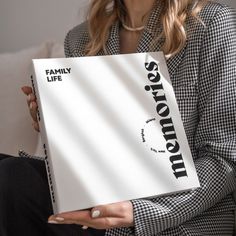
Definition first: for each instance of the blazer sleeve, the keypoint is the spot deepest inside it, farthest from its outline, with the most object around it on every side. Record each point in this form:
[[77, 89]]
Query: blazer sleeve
[[215, 138], [76, 40], [67, 43]]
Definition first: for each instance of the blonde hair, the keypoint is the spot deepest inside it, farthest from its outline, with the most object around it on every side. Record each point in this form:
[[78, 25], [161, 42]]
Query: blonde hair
[[104, 13]]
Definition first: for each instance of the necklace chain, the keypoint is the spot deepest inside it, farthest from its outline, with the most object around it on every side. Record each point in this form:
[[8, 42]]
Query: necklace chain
[[131, 28]]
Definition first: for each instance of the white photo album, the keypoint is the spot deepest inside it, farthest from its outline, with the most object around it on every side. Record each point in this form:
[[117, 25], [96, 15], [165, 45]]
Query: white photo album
[[111, 130]]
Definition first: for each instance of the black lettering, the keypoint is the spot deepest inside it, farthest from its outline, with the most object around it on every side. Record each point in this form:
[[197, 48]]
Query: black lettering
[[157, 87], [154, 78], [59, 71], [173, 148], [150, 66], [154, 87], [52, 72], [143, 136], [54, 78], [158, 98], [178, 166], [150, 120], [153, 150], [162, 109], [168, 129], [166, 123]]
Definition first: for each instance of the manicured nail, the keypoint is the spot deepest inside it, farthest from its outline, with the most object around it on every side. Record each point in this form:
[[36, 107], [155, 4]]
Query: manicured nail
[[60, 219], [96, 214], [85, 227], [52, 222], [28, 98]]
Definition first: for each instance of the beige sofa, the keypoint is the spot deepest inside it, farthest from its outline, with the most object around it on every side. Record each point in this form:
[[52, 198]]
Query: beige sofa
[[15, 122]]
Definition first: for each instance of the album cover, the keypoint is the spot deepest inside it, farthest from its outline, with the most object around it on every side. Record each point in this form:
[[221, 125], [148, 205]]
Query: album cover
[[111, 130]]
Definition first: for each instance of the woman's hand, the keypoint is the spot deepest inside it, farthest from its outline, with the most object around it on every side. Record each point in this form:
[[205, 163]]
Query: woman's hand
[[114, 215], [32, 104]]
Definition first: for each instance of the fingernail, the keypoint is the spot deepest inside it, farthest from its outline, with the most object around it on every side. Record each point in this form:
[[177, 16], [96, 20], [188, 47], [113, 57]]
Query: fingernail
[[52, 222], [96, 214], [60, 219], [29, 98], [85, 227], [31, 105]]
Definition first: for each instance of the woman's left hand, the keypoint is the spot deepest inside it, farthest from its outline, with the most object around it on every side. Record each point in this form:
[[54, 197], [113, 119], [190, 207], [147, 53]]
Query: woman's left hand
[[109, 216]]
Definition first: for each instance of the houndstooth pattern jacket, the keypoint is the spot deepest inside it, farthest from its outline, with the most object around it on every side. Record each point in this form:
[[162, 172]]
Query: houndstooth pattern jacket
[[204, 79]]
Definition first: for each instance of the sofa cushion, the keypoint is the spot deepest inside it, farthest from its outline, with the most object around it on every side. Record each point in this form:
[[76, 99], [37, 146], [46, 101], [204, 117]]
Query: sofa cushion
[[15, 126]]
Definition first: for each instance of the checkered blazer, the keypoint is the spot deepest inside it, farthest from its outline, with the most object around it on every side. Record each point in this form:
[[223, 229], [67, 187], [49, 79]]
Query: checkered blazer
[[204, 80]]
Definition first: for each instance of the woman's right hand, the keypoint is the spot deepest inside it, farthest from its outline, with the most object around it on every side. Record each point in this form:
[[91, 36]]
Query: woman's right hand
[[32, 104]]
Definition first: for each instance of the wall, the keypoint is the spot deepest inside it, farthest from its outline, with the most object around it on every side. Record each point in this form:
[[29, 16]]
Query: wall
[[26, 23], [229, 2]]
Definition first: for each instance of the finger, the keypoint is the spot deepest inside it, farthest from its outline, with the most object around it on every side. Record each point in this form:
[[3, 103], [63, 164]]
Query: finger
[[112, 210], [107, 223], [36, 126], [77, 217], [26, 90], [31, 98], [99, 223], [84, 218], [33, 111], [86, 221]]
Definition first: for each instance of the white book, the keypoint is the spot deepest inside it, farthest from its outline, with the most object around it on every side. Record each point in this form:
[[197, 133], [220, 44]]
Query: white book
[[111, 130]]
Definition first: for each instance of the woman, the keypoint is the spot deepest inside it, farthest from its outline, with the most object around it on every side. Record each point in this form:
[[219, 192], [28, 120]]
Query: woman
[[199, 41]]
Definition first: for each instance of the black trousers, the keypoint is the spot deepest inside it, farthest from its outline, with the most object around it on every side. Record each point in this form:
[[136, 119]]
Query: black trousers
[[25, 203]]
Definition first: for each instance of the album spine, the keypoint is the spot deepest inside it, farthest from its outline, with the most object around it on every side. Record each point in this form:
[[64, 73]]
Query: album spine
[[48, 163]]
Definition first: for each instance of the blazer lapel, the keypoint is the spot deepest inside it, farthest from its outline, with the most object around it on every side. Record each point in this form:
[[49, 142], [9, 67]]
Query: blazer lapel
[[112, 45], [152, 31], [174, 62]]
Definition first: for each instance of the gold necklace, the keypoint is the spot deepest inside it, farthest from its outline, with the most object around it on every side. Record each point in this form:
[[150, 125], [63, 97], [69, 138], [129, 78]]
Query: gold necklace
[[131, 28]]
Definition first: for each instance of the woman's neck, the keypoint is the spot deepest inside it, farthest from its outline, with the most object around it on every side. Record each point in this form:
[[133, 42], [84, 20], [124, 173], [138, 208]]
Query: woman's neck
[[137, 10]]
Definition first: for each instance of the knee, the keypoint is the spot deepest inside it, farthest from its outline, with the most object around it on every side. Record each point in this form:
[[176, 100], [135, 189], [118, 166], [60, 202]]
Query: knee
[[16, 175], [19, 181], [11, 169], [8, 166]]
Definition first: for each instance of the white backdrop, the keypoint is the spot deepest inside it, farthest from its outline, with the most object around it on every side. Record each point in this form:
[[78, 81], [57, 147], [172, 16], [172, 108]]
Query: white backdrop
[[26, 23]]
